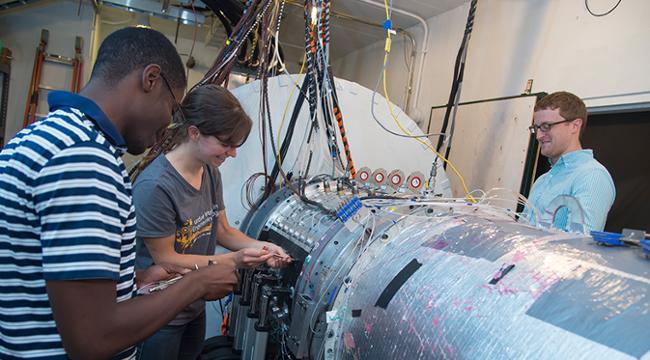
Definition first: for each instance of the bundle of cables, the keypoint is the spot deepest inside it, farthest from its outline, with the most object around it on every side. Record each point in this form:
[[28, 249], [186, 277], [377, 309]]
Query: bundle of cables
[[317, 88], [248, 28]]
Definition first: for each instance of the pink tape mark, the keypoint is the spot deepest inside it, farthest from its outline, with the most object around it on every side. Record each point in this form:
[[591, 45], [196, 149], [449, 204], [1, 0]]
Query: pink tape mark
[[435, 321], [368, 326], [348, 340], [518, 256]]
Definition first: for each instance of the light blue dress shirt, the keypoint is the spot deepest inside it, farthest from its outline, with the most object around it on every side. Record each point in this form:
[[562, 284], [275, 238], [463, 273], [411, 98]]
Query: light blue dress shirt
[[579, 175]]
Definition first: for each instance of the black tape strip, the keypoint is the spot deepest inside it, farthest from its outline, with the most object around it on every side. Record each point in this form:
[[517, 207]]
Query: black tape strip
[[502, 272], [397, 282], [356, 313]]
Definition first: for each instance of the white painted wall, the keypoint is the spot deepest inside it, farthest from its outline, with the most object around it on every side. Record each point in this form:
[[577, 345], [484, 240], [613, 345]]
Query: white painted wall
[[20, 31], [555, 42], [364, 66]]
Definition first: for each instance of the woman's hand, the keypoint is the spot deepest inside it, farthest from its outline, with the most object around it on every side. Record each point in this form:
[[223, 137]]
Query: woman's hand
[[250, 257], [280, 258]]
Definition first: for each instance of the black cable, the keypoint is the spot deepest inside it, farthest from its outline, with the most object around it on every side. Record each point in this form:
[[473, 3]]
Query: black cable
[[266, 108], [227, 25], [243, 52], [453, 122], [459, 70], [335, 104], [318, 205], [320, 177], [601, 14], [231, 9], [301, 194], [311, 131], [268, 185], [290, 129], [452, 92], [330, 132], [266, 111]]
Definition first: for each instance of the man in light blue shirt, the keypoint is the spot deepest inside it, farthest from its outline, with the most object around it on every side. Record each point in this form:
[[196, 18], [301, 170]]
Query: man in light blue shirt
[[558, 122]]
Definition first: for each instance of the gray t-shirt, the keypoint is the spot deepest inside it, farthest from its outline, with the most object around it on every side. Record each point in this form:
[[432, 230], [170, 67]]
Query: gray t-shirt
[[166, 204]]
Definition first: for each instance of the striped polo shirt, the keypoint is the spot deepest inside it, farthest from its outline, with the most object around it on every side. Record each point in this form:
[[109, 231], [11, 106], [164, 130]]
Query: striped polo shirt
[[66, 213]]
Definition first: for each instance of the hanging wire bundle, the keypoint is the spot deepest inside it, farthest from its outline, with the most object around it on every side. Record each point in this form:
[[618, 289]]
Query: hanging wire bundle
[[317, 89], [321, 85], [253, 28]]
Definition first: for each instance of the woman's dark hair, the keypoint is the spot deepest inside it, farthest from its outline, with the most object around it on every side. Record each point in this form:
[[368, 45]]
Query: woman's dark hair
[[213, 110]]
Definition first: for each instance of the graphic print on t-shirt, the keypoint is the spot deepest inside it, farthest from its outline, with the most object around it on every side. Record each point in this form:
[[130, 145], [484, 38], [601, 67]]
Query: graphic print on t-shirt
[[195, 229]]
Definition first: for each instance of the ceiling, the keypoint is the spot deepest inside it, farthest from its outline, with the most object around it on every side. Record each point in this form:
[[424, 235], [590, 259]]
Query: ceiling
[[348, 35]]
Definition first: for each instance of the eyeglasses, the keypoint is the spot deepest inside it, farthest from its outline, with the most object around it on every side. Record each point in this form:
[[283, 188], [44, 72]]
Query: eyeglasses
[[545, 127], [177, 104]]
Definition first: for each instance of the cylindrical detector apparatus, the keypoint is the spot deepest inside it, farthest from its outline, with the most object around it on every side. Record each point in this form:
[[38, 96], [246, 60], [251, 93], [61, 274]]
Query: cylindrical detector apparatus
[[426, 278]]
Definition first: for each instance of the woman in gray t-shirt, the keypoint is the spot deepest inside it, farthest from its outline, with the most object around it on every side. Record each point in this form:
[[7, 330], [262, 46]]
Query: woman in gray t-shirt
[[178, 197]]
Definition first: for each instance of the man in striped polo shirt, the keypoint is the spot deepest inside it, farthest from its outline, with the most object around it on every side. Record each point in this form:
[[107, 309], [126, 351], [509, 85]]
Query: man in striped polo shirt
[[67, 220], [559, 120]]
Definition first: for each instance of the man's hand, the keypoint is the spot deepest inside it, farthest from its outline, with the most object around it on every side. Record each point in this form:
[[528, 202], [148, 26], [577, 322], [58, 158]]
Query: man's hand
[[218, 280], [158, 272], [93, 325]]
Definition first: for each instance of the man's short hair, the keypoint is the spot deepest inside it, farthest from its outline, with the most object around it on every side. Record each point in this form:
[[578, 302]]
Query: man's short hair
[[571, 107], [131, 49]]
